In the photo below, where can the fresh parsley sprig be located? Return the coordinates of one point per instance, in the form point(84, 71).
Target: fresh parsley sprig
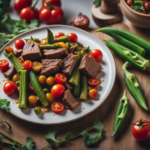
point(4, 104)
point(89, 140)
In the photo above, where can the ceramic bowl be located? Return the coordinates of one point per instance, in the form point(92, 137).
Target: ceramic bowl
point(138, 19)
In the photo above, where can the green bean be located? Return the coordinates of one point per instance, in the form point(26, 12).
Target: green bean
point(50, 37)
point(50, 46)
point(67, 45)
point(62, 39)
point(34, 39)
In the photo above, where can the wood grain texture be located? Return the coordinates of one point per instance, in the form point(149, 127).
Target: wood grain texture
point(105, 113)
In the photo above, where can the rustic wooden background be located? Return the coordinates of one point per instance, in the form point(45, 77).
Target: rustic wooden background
point(105, 113)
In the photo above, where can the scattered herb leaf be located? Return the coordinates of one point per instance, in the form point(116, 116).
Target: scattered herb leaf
point(9, 126)
point(4, 104)
point(97, 3)
point(68, 135)
point(30, 143)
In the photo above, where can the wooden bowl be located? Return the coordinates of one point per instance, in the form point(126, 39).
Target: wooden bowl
point(138, 19)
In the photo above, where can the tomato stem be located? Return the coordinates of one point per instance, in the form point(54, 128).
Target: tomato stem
point(32, 7)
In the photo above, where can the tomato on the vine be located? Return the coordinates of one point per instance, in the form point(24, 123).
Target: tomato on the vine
point(60, 78)
point(93, 82)
point(10, 88)
point(4, 65)
point(51, 14)
point(20, 4)
point(73, 37)
point(27, 65)
point(141, 130)
point(97, 54)
point(29, 13)
point(19, 44)
point(53, 2)
point(58, 90)
point(59, 35)
point(57, 107)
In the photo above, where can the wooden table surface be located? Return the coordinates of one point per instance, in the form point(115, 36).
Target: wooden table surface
point(105, 113)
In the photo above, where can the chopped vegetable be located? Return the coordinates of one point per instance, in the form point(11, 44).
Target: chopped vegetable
point(121, 113)
point(36, 66)
point(57, 107)
point(60, 78)
point(93, 93)
point(133, 86)
point(62, 39)
point(37, 110)
point(38, 89)
point(23, 89)
point(93, 82)
point(18, 66)
point(50, 81)
point(4, 65)
point(34, 39)
point(77, 89)
point(42, 79)
point(50, 37)
point(50, 46)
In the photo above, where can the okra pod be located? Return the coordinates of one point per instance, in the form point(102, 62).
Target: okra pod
point(126, 54)
point(23, 89)
point(18, 66)
point(124, 42)
point(34, 39)
point(84, 87)
point(50, 37)
point(129, 36)
point(50, 46)
point(38, 89)
point(133, 86)
point(121, 113)
point(62, 39)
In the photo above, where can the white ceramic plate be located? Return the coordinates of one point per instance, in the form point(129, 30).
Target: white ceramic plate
point(107, 75)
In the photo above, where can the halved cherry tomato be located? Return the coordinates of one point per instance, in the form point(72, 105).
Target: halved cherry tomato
point(60, 78)
point(57, 107)
point(10, 88)
point(44, 42)
point(93, 82)
point(58, 90)
point(20, 4)
point(36, 66)
point(19, 44)
point(97, 54)
point(62, 44)
point(27, 65)
point(59, 35)
point(9, 49)
point(73, 37)
point(93, 93)
point(53, 2)
point(31, 88)
point(4, 65)
point(141, 130)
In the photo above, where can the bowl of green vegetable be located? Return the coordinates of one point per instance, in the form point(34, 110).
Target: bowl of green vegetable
point(136, 12)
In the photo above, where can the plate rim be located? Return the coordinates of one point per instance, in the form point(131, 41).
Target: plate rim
point(114, 76)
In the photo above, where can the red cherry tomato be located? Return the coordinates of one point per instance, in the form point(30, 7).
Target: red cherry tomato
point(51, 16)
point(129, 3)
point(145, 5)
point(93, 93)
point(27, 65)
point(20, 4)
point(58, 90)
point(93, 82)
point(4, 65)
point(31, 88)
point(19, 44)
point(141, 130)
point(73, 37)
point(28, 14)
point(53, 2)
point(97, 54)
point(59, 35)
point(57, 107)
point(10, 88)
point(60, 78)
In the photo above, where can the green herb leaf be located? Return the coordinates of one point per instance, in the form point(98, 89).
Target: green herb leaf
point(90, 140)
point(97, 3)
point(30, 143)
point(141, 7)
point(9, 126)
point(67, 136)
point(135, 7)
point(4, 104)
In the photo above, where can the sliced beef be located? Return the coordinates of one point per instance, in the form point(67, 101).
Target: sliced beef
point(55, 53)
point(71, 49)
point(68, 86)
point(76, 52)
point(51, 66)
point(10, 72)
point(31, 51)
point(89, 66)
point(69, 64)
point(18, 52)
point(69, 100)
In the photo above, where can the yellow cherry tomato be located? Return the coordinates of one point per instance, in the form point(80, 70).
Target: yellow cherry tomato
point(62, 44)
point(32, 100)
point(44, 42)
point(42, 79)
point(50, 98)
point(15, 78)
point(36, 66)
point(9, 49)
point(50, 81)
